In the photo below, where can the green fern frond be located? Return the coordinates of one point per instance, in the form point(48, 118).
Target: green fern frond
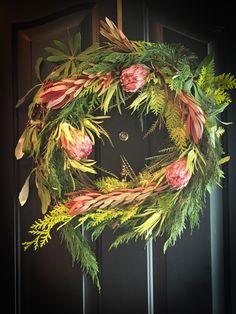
point(225, 81)
point(202, 77)
point(221, 96)
point(167, 150)
point(49, 149)
point(172, 115)
point(156, 100)
point(207, 74)
point(179, 136)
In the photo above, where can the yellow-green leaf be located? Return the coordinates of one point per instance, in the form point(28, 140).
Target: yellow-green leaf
point(138, 101)
point(109, 94)
point(223, 160)
point(82, 167)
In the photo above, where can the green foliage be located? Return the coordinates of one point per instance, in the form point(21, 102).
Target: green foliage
point(63, 52)
point(179, 136)
point(174, 125)
point(156, 100)
point(178, 81)
point(81, 252)
point(140, 100)
point(207, 74)
point(43, 190)
point(107, 96)
point(42, 228)
point(216, 87)
point(107, 184)
point(225, 81)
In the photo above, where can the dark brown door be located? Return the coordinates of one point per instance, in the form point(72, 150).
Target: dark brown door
point(135, 278)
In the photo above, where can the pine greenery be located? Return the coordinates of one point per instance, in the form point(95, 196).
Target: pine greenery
point(81, 252)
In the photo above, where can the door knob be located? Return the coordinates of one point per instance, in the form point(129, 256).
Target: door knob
point(123, 136)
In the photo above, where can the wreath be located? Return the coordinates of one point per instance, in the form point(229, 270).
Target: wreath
point(65, 120)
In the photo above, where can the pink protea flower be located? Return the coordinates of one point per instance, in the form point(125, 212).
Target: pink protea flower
point(177, 174)
point(75, 206)
point(133, 77)
point(58, 94)
point(77, 145)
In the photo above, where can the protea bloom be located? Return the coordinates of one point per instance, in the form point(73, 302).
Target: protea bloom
point(75, 206)
point(177, 174)
point(58, 94)
point(134, 77)
point(76, 144)
point(195, 116)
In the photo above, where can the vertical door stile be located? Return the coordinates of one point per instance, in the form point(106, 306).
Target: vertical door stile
point(150, 285)
point(217, 245)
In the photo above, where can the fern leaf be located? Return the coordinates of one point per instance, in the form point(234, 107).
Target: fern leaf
point(221, 96)
point(156, 101)
point(172, 116)
point(207, 74)
point(225, 81)
point(179, 136)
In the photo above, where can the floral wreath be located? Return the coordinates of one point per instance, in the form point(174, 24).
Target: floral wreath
point(156, 79)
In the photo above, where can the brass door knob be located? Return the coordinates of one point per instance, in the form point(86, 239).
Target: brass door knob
point(123, 136)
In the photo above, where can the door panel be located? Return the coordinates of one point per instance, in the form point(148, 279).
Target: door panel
point(124, 269)
point(187, 265)
point(189, 262)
